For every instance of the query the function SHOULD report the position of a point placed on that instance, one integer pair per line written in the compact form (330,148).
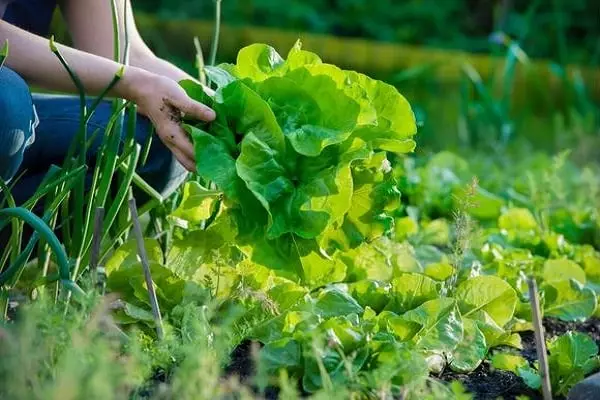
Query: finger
(187,162)
(175,137)
(184,160)
(195,109)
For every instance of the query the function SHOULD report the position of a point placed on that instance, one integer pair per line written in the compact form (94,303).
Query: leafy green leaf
(487,294)
(332,302)
(508,362)
(568,300)
(127,255)
(258,62)
(471,350)
(562,270)
(572,357)
(517,219)
(410,290)
(197,203)
(285,353)
(441,325)
(370,293)
(439,271)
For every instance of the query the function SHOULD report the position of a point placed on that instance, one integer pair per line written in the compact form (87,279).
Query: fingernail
(210,114)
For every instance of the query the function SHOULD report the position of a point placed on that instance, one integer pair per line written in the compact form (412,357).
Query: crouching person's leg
(17,119)
(59,124)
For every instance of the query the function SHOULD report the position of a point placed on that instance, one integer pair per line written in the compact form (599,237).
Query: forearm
(30,56)
(148,61)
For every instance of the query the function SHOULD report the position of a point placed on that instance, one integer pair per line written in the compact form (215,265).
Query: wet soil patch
(486,383)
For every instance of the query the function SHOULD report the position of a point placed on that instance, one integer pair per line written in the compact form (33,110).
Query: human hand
(165,103)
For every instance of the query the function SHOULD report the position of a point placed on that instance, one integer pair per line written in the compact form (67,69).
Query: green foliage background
(558,29)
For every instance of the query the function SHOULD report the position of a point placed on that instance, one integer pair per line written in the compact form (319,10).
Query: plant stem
(540,342)
(96,241)
(137,230)
(216,33)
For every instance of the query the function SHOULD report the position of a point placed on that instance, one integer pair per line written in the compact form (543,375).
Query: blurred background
(485,73)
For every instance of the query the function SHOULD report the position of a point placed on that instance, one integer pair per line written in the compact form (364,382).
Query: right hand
(165,103)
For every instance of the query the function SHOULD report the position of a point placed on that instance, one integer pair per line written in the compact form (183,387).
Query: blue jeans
(27,149)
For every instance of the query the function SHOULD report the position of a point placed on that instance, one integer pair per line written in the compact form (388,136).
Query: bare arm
(87,24)
(157,97)
(30,56)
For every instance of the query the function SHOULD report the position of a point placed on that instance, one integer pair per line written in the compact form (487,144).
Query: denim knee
(17,119)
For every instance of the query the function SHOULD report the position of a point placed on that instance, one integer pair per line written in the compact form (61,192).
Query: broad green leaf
(471,350)
(340,330)
(400,327)
(314,202)
(591,266)
(280,255)
(258,62)
(441,325)
(127,255)
(218,165)
(127,313)
(572,357)
(394,114)
(439,271)
(568,300)
(311,110)
(512,340)
(193,255)
(530,376)
(367,113)
(367,212)
(285,353)
(318,269)
(486,206)
(286,294)
(436,232)
(405,227)
(367,261)
(197,203)
(571,350)
(410,290)
(294,258)
(487,294)
(517,219)
(219,75)
(562,270)
(428,254)
(370,293)
(129,282)
(299,58)
(330,362)
(508,362)
(333,302)
(398,363)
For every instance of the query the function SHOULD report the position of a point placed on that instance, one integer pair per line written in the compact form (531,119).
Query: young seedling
(540,342)
(137,231)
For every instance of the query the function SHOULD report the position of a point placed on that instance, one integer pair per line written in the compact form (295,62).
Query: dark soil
(242,365)
(487,383)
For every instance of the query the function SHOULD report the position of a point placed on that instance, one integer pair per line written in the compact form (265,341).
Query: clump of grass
(464,232)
